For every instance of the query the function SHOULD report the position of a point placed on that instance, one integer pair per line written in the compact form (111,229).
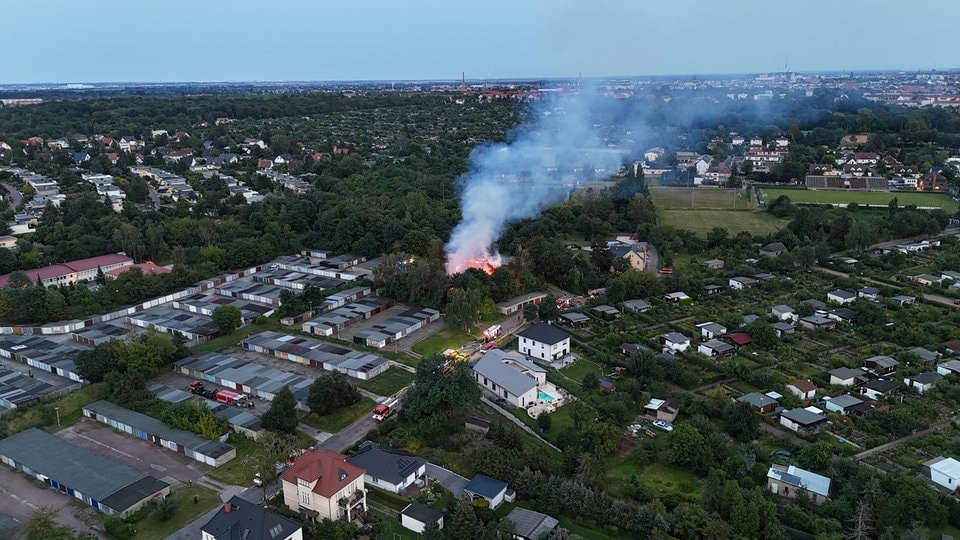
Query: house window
(305,497)
(303,482)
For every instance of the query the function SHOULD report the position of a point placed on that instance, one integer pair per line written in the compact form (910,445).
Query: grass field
(674,198)
(662,481)
(441,341)
(389,382)
(334,422)
(44,415)
(880,198)
(702,221)
(150,528)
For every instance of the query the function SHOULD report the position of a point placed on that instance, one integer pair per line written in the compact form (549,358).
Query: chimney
(227,507)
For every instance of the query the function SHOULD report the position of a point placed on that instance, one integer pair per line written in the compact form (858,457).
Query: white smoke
(548,155)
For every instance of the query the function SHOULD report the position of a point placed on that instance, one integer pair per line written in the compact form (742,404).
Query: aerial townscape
(311,305)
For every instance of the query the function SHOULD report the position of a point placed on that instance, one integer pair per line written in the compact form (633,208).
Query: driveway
(20,497)
(133,452)
(15,196)
(450,480)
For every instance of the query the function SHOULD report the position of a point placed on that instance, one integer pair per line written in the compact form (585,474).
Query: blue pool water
(545,396)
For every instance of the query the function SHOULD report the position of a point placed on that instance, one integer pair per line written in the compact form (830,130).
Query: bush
(544,422)
(118,528)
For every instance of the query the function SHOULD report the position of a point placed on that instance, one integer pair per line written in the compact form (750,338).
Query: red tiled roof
(71,267)
(147,268)
(803,385)
(329,469)
(41,274)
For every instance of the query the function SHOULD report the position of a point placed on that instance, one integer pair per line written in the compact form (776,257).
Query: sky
(66,41)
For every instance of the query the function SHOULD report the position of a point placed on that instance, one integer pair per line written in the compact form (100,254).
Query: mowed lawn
(879,198)
(701,222)
(441,341)
(672,198)
(389,382)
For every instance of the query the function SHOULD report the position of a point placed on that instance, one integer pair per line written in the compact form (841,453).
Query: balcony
(351,500)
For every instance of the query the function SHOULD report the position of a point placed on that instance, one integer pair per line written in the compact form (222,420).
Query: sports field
(876,198)
(669,198)
(701,222)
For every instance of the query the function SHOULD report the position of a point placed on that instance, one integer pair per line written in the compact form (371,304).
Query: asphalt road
(934,298)
(349,435)
(15,196)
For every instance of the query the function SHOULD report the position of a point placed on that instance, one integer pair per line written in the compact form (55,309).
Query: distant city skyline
(180,41)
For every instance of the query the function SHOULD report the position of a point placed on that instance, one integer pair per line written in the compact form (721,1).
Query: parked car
(956,302)
(666,426)
(257,480)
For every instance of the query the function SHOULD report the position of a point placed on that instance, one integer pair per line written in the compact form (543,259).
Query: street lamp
(57,410)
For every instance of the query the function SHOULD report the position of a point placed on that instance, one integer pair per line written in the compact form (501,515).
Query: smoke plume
(558,147)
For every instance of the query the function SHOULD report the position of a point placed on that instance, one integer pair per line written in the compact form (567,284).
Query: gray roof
(422,513)
(846,373)
(881,385)
(756,399)
(882,361)
(92,474)
(248,521)
(815,304)
(817,320)
(797,477)
(930,377)
(717,345)
(485,486)
(845,401)
(574,316)
(636,304)
(675,337)
(152,426)
(332,356)
(530,524)
(782,326)
(384,462)
(544,333)
(870,290)
(840,293)
(783,308)
(924,354)
(508,370)
(712,327)
(264,381)
(803,416)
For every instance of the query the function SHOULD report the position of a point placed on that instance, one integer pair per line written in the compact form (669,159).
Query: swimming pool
(544,396)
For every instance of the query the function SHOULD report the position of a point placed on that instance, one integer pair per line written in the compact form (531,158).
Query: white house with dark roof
(493,491)
(509,375)
(387,468)
(923,381)
(417,517)
(240,519)
(674,342)
(847,376)
(530,525)
(949,367)
(879,388)
(802,420)
(789,481)
(741,282)
(784,313)
(544,341)
(841,404)
(927,356)
(714,348)
(711,330)
(841,296)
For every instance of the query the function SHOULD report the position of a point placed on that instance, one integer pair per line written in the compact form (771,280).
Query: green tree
(686,444)
(42,525)
(741,422)
(281,417)
(330,393)
(227,318)
(463,310)
(442,392)
(590,382)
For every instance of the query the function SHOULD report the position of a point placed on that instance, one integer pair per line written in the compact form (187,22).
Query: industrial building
(106,485)
(247,377)
(311,352)
(206,451)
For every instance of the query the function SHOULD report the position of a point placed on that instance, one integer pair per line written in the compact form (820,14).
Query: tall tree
(281,417)
(227,318)
(330,393)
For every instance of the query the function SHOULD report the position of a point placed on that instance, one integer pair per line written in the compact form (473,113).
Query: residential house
(802,420)
(129,143)
(902,300)
(926,280)
(847,376)
(949,275)
(634,254)
(713,264)
(677,297)
(240,519)
(817,322)
(510,375)
(711,330)
(574,319)
(790,481)
(869,293)
(322,485)
(738,339)
(417,517)
(952,346)
(784,313)
(927,357)
(636,305)
(881,365)
(846,315)
(493,491)
(530,525)
(782,328)
(387,468)
(544,341)
(923,381)
(674,342)
(879,388)
(714,348)
(803,389)
(712,289)
(633,349)
(662,409)
(741,282)
(944,472)
(761,403)
(841,404)
(773,249)
(841,297)
(949,367)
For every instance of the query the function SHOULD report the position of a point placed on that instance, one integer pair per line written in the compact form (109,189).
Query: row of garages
(326,324)
(246,377)
(315,353)
(396,327)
